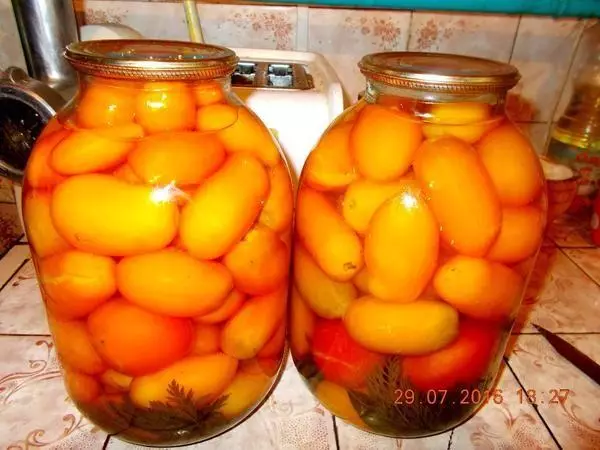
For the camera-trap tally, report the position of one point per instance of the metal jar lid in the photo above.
(439, 72)
(128, 59)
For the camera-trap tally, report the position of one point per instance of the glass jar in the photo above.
(158, 210)
(575, 138)
(419, 214)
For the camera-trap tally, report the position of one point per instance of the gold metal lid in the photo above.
(439, 72)
(151, 59)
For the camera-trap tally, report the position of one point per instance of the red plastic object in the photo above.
(595, 222)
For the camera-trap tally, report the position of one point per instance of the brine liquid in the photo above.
(389, 404)
(414, 240)
(159, 217)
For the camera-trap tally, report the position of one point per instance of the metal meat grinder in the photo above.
(29, 100)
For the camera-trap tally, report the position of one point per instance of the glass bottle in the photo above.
(419, 214)
(158, 210)
(575, 139)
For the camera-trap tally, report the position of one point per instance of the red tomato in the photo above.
(465, 360)
(341, 359)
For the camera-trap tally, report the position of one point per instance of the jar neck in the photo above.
(224, 83)
(377, 92)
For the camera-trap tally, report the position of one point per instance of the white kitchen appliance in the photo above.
(98, 31)
(296, 94)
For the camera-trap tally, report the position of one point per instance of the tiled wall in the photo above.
(542, 48)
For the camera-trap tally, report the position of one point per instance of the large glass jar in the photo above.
(158, 210)
(419, 214)
(575, 138)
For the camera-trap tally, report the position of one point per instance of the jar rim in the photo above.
(148, 59)
(439, 72)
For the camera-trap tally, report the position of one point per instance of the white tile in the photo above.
(11, 262)
(571, 231)
(559, 297)
(504, 423)
(6, 191)
(588, 259)
(36, 412)
(542, 53)
(351, 438)
(11, 53)
(21, 307)
(580, 57)
(10, 226)
(270, 27)
(158, 20)
(302, 29)
(486, 36)
(565, 397)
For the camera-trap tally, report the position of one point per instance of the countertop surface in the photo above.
(564, 297)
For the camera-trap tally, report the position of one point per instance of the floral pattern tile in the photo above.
(343, 36)
(560, 297)
(6, 192)
(11, 262)
(36, 411)
(10, 226)
(565, 397)
(290, 419)
(270, 27)
(351, 438)
(489, 36)
(588, 259)
(571, 231)
(542, 52)
(503, 423)
(21, 307)
(152, 20)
